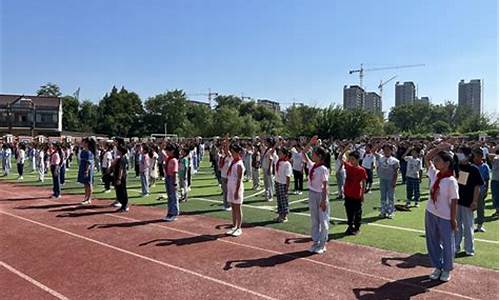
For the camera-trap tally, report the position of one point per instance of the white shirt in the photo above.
(21, 156)
(320, 175)
(107, 158)
(368, 160)
(227, 162)
(448, 190)
(297, 162)
(285, 171)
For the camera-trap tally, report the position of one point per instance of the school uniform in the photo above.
(439, 235)
(107, 158)
(120, 182)
(494, 183)
(233, 180)
(320, 219)
(21, 156)
(283, 173)
(171, 170)
(183, 184)
(224, 162)
(484, 170)
(40, 164)
(55, 161)
(267, 159)
(298, 171)
(340, 176)
(367, 163)
(387, 168)
(144, 173)
(6, 163)
(255, 169)
(413, 168)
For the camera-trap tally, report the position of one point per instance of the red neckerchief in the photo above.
(222, 161)
(435, 186)
(278, 164)
(232, 164)
(311, 173)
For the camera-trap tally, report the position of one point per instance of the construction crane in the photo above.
(362, 71)
(382, 83)
(209, 96)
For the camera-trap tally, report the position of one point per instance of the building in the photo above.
(470, 95)
(194, 102)
(405, 93)
(354, 97)
(272, 105)
(30, 115)
(373, 102)
(424, 99)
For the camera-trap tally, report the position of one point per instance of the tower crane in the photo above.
(209, 95)
(382, 83)
(362, 70)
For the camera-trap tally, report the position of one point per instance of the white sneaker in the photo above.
(107, 191)
(269, 199)
(230, 232)
(445, 276)
(116, 204)
(320, 250)
(313, 248)
(85, 202)
(469, 253)
(300, 193)
(435, 274)
(480, 229)
(228, 208)
(237, 232)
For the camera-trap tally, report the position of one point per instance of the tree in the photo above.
(301, 120)
(229, 100)
(70, 107)
(120, 113)
(88, 114)
(227, 120)
(200, 120)
(169, 108)
(441, 127)
(49, 89)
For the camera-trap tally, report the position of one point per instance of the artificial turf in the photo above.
(404, 233)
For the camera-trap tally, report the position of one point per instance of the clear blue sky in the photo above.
(282, 50)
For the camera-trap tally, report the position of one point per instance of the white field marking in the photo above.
(301, 258)
(265, 250)
(140, 256)
(256, 194)
(268, 208)
(297, 201)
(33, 281)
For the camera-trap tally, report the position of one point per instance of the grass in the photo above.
(404, 233)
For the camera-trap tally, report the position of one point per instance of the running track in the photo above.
(59, 249)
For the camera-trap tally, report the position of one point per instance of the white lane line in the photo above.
(272, 209)
(140, 256)
(33, 281)
(297, 201)
(256, 194)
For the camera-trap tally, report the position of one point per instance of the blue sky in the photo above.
(283, 50)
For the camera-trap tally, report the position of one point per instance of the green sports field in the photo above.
(404, 233)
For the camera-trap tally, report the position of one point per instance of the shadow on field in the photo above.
(47, 206)
(400, 289)
(126, 224)
(24, 199)
(184, 241)
(85, 214)
(266, 262)
(408, 262)
(79, 207)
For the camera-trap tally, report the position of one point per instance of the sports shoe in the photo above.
(445, 276)
(269, 199)
(469, 253)
(228, 208)
(390, 216)
(116, 204)
(435, 274)
(408, 205)
(320, 250)
(122, 209)
(230, 231)
(313, 247)
(480, 229)
(169, 218)
(284, 219)
(107, 191)
(416, 204)
(237, 232)
(85, 202)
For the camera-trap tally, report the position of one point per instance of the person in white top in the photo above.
(298, 169)
(21, 157)
(106, 160)
(40, 162)
(368, 163)
(318, 195)
(153, 167)
(267, 168)
(441, 212)
(340, 175)
(224, 161)
(235, 188)
(283, 173)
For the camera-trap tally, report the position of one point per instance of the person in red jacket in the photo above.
(354, 188)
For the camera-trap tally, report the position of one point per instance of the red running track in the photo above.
(59, 249)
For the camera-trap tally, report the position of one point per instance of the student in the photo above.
(55, 164)
(283, 173)
(144, 165)
(64, 158)
(224, 162)
(171, 170)
(368, 163)
(6, 157)
(153, 168)
(354, 190)
(235, 188)
(40, 161)
(106, 161)
(137, 159)
(318, 195)
(21, 157)
(484, 170)
(120, 178)
(183, 167)
(387, 169)
(469, 190)
(267, 164)
(298, 169)
(32, 157)
(86, 168)
(340, 175)
(441, 212)
(248, 153)
(413, 171)
(256, 163)
(494, 182)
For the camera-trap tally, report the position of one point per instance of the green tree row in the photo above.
(122, 113)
